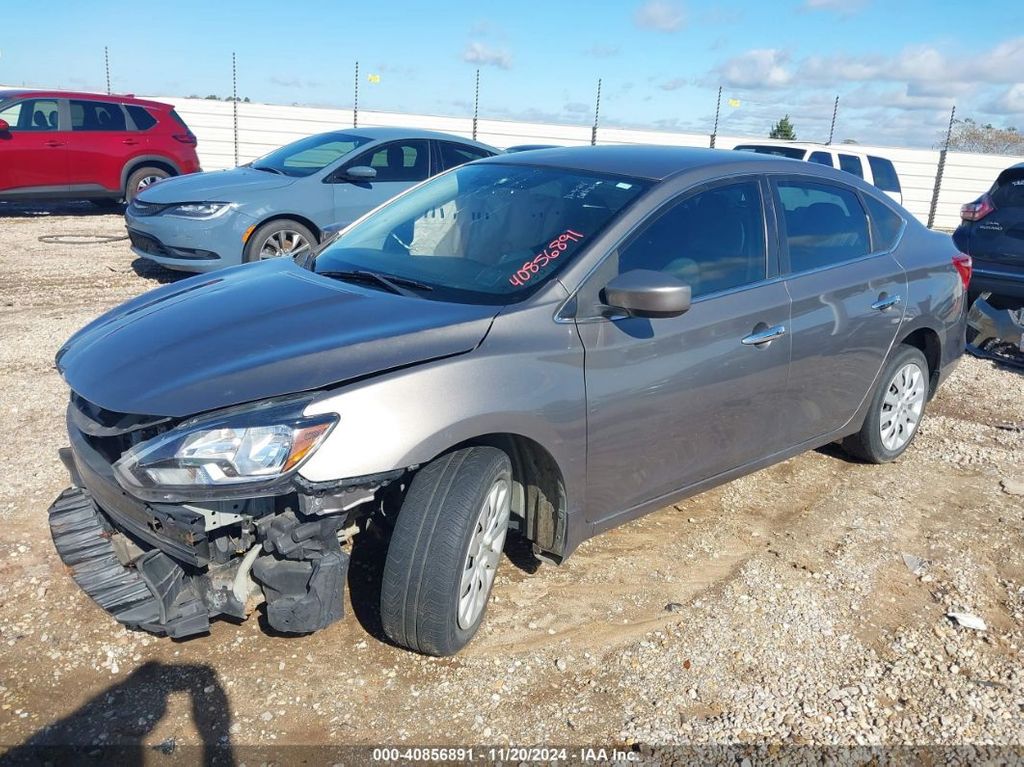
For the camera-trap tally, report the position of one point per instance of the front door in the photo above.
(848, 303)
(33, 151)
(674, 401)
(399, 165)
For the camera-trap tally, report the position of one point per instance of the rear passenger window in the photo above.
(851, 164)
(31, 115)
(887, 223)
(884, 174)
(822, 158)
(713, 240)
(824, 224)
(96, 116)
(141, 117)
(454, 155)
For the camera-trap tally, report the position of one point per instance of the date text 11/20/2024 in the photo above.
(515, 754)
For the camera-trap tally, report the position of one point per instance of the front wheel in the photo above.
(897, 407)
(141, 179)
(445, 549)
(275, 239)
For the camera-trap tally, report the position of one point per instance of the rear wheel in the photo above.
(275, 239)
(445, 550)
(142, 178)
(897, 407)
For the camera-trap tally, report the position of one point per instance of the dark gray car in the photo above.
(552, 342)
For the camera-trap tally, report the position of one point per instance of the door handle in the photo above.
(764, 336)
(54, 143)
(885, 303)
(130, 142)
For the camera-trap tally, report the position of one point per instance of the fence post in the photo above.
(718, 109)
(835, 112)
(355, 100)
(476, 103)
(106, 64)
(234, 101)
(597, 114)
(939, 171)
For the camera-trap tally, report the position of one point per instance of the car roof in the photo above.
(646, 161)
(390, 133)
(116, 97)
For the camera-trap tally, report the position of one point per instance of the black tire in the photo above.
(259, 238)
(132, 188)
(867, 444)
(420, 593)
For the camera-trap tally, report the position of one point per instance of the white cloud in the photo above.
(602, 50)
(674, 84)
(478, 53)
(1010, 102)
(660, 15)
(760, 68)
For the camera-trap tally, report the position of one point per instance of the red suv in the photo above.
(84, 146)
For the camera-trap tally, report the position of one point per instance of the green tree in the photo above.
(969, 136)
(783, 129)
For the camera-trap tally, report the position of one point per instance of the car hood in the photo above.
(252, 332)
(213, 186)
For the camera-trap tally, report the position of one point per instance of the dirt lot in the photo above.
(778, 608)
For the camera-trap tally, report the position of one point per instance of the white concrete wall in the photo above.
(263, 127)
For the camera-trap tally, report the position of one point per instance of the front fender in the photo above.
(526, 379)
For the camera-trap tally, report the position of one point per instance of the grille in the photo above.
(147, 244)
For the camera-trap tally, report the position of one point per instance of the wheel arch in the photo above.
(928, 341)
(539, 506)
(298, 218)
(155, 161)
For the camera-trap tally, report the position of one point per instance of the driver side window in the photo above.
(713, 240)
(398, 161)
(32, 115)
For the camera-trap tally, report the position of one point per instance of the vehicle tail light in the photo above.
(963, 265)
(977, 210)
(185, 138)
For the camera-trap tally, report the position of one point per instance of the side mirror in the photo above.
(359, 173)
(646, 293)
(4, 126)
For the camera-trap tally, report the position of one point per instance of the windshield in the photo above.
(485, 233)
(309, 155)
(791, 152)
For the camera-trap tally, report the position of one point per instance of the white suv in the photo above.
(873, 169)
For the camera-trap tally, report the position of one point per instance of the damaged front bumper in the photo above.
(170, 568)
(996, 334)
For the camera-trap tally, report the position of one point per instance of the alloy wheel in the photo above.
(286, 242)
(484, 552)
(902, 406)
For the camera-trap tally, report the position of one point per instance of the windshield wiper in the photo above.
(267, 168)
(398, 285)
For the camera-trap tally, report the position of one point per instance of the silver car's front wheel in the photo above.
(445, 550)
(902, 406)
(283, 238)
(481, 561)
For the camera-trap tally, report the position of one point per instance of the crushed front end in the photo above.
(167, 564)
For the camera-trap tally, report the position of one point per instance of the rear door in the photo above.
(848, 302)
(34, 150)
(674, 401)
(399, 165)
(999, 237)
(100, 145)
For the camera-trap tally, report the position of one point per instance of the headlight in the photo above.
(241, 453)
(199, 209)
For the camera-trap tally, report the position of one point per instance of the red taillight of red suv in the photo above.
(185, 138)
(963, 265)
(977, 210)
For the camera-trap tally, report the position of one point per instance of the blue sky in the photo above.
(897, 65)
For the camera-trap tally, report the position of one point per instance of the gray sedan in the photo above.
(550, 342)
(281, 203)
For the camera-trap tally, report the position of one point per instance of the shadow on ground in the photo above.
(29, 209)
(111, 727)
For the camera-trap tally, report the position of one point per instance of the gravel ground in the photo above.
(804, 604)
